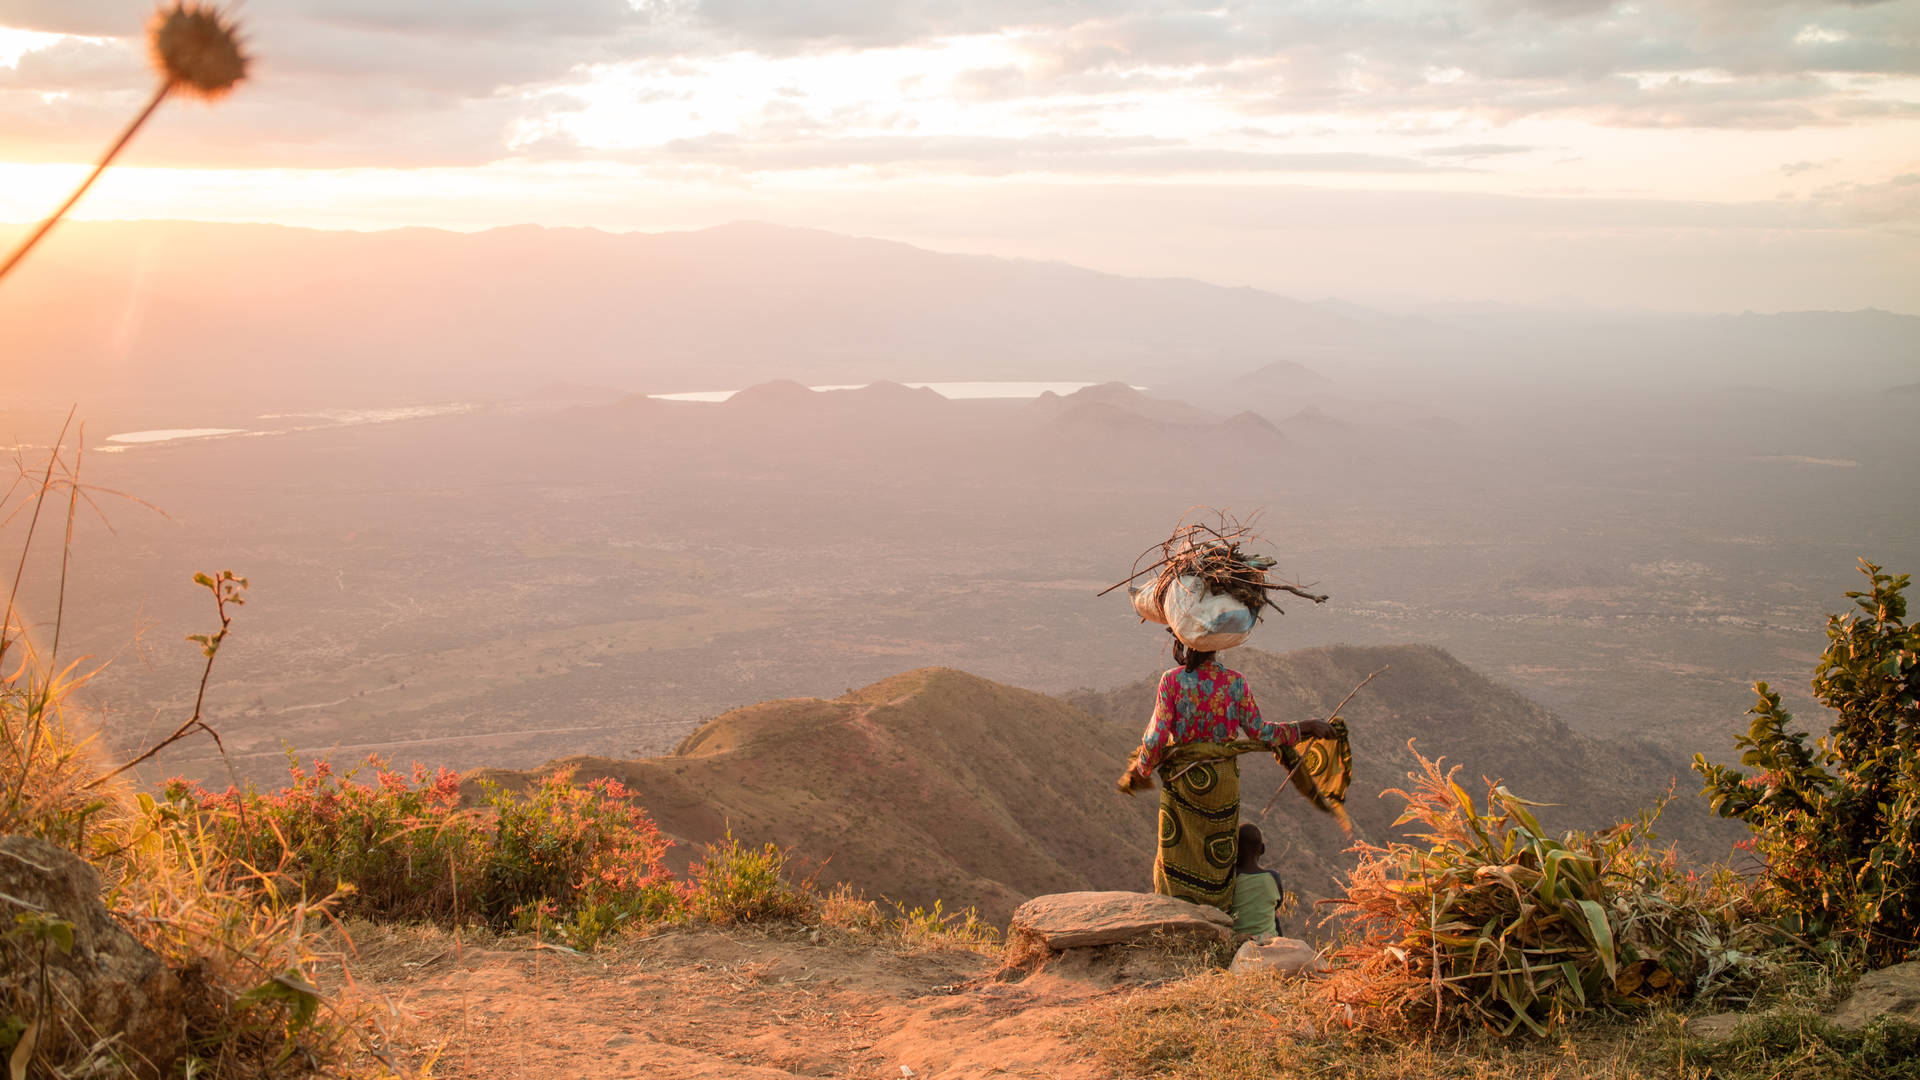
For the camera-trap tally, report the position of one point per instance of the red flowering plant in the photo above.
(582, 858)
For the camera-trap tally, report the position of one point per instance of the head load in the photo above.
(1206, 589)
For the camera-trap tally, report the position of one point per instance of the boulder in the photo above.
(1079, 920)
(107, 985)
(1892, 991)
(1290, 955)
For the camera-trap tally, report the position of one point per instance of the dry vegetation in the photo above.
(244, 945)
(1261, 1026)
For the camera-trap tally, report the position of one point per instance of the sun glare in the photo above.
(15, 43)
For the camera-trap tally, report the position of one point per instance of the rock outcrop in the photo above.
(1892, 991)
(1080, 920)
(107, 990)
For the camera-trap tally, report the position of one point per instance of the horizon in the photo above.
(1408, 306)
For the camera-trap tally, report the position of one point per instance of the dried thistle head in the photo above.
(196, 49)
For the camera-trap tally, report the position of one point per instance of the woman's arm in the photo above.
(1246, 713)
(1159, 734)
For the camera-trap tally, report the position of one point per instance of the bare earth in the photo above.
(706, 1004)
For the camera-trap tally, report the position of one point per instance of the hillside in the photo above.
(937, 784)
(930, 785)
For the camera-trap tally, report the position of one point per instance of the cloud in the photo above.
(79, 66)
(991, 156)
(1476, 150)
(1892, 202)
(398, 82)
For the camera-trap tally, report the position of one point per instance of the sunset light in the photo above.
(960, 539)
(1771, 136)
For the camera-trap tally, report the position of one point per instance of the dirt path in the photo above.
(705, 1004)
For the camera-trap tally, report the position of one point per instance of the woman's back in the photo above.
(1209, 702)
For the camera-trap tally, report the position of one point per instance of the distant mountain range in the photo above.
(270, 318)
(937, 784)
(305, 317)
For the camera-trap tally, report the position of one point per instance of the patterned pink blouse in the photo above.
(1211, 704)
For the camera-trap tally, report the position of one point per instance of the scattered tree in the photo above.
(1839, 822)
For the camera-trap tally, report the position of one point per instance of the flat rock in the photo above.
(1891, 991)
(1714, 1028)
(1079, 920)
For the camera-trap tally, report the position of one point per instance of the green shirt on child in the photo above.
(1255, 896)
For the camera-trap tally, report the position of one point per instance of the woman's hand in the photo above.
(1315, 729)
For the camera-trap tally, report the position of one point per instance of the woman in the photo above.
(1203, 719)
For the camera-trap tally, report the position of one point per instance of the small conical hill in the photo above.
(930, 785)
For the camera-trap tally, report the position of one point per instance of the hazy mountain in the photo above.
(255, 318)
(937, 784)
(272, 314)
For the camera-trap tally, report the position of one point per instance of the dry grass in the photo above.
(1268, 1026)
(1264, 1026)
(246, 947)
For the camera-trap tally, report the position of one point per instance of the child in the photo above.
(1257, 891)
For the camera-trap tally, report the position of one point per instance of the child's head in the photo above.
(1252, 846)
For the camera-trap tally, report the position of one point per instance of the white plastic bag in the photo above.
(1291, 955)
(1146, 602)
(1203, 619)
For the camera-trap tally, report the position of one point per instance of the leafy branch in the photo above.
(229, 590)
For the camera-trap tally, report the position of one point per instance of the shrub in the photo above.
(737, 884)
(581, 858)
(1839, 823)
(1490, 919)
(247, 947)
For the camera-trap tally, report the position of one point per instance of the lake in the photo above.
(325, 418)
(958, 391)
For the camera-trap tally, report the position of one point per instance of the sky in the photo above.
(1692, 155)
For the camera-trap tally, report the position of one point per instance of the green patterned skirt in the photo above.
(1199, 823)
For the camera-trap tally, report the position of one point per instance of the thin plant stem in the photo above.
(46, 482)
(105, 160)
(39, 718)
(66, 548)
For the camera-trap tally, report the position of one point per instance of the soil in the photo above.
(755, 1006)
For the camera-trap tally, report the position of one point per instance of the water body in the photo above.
(344, 417)
(325, 418)
(170, 434)
(958, 391)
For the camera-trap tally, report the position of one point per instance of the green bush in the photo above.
(737, 884)
(581, 858)
(1839, 822)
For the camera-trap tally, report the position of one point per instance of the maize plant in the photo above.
(1487, 918)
